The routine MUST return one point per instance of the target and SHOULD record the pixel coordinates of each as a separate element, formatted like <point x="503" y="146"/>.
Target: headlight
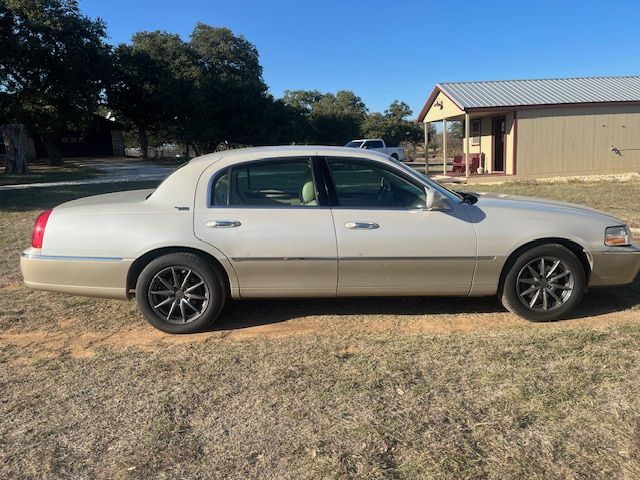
<point x="617" y="236"/>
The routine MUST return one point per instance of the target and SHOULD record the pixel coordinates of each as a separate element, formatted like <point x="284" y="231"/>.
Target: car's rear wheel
<point x="394" y="156"/>
<point x="544" y="283"/>
<point x="180" y="293"/>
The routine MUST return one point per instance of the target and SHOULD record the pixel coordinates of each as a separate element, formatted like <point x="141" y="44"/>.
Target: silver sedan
<point x="321" y="222"/>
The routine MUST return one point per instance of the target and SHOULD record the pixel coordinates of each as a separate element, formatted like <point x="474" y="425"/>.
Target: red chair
<point x="459" y="165"/>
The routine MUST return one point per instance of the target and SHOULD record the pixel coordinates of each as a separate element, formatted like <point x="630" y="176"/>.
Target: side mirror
<point x="435" y="200"/>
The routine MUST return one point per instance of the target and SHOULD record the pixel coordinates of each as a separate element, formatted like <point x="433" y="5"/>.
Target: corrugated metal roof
<point x="507" y="93"/>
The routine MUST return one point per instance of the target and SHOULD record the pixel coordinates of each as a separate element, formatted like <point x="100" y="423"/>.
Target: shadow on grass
<point x="44" y="173"/>
<point x="49" y="197"/>
<point x="600" y="301"/>
<point x="251" y="313"/>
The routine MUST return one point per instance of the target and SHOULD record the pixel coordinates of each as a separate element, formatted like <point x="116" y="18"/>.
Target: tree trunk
<point x="144" y="143"/>
<point x="55" y="159"/>
<point x="14" y="138"/>
<point x="196" y="149"/>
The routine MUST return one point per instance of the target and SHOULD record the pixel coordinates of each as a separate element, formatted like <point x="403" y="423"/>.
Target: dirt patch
<point x="68" y="339"/>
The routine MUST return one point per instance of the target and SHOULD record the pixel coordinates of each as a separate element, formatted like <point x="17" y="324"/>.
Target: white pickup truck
<point x="377" y="145"/>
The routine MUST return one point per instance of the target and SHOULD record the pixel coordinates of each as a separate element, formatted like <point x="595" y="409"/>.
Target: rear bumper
<point x="87" y="276"/>
<point x="618" y="266"/>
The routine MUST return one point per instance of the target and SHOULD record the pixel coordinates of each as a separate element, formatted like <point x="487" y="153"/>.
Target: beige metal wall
<point x="578" y="141"/>
<point x="448" y="110"/>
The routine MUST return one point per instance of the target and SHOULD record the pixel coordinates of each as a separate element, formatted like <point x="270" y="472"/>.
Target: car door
<point x="267" y="217"/>
<point x="388" y="243"/>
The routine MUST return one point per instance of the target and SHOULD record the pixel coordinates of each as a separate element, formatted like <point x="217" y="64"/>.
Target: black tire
<point x="204" y="281"/>
<point x="520" y="279"/>
<point x="394" y="156"/>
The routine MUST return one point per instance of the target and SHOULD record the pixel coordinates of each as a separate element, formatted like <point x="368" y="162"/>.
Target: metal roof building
<point x="544" y="127"/>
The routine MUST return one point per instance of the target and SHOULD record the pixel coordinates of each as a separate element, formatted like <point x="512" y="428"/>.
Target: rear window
<point x="374" y="144"/>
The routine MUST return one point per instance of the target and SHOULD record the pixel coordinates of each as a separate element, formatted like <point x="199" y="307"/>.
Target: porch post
<point x="426" y="142"/>
<point x="466" y="147"/>
<point x="444" y="146"/>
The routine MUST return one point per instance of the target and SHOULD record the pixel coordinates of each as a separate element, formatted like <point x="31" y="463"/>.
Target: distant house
<point x="100" y="138"/>
<point x="543" y="128"/>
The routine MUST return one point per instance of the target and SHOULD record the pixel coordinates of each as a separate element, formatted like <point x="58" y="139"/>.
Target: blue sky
<point x="386" y="50"/>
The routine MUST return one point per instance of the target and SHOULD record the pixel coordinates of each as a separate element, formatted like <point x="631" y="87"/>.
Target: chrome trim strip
<point x="417" y="258"/>
<point x="282" y="259"/>
<point x="72" y="258"/>
<point x="626" y="252"/>
<point x="305" y="259"/>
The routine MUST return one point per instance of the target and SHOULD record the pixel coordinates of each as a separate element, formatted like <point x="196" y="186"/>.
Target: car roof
<point x="172" y="189"/>
<point x="288" y="150"/>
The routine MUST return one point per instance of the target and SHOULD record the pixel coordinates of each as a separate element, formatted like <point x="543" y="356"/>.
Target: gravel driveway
<point x="112" y="171"/>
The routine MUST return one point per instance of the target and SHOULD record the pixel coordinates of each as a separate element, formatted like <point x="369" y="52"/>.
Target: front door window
<point x="366" y="184"/>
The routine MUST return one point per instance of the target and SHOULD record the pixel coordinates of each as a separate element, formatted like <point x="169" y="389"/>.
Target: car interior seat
<point x="308" y="194"/>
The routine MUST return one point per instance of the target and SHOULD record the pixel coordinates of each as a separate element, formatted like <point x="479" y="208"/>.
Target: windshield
<point x="354" y="144"/>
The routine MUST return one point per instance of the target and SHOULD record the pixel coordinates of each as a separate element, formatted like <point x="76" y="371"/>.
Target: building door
<point x="498" y="144"/>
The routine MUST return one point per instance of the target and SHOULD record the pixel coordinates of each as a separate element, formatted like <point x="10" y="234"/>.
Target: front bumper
<point x="87" y="276"/>
<point x="616" y="266"/>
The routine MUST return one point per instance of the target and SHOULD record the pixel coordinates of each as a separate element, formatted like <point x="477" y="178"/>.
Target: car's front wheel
<point x="180" y="293"/>
<point x="544" y="283"/>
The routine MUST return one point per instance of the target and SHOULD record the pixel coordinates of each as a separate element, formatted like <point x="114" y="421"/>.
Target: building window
<point x="475" y="132"/>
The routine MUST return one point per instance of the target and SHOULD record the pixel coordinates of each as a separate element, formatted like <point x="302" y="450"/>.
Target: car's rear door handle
<point x="362" y="225"/>
<point x="223" y="223"/>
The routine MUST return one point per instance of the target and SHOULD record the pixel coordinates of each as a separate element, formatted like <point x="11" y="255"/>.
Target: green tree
<point x="142" y="91"/>
<point x="393" y="126"/>
<point x="280" y="124"/>
<point x="199" y="93"/>
<point x="332" y="119"/>
<point x="182" y="105"/>
<point x="431" y="134"/>
<point x="53" y="62"/>
<point x="231" y="92"/>
<point x="456" y="136"/>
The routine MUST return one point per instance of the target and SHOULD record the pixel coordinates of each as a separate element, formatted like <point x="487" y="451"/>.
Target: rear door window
<point x="271" y="183"/>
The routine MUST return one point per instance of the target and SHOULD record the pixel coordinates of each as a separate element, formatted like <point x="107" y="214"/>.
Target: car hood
<point x="538" y="205"/>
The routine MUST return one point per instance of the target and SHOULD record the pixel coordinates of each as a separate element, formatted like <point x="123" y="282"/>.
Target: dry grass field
<point x="350" y="388"/>
<point x="619" y="198"/>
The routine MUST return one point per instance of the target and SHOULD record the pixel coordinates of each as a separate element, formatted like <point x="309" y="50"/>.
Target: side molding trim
<point x="306" y="259"/>
<point x="72" y="259"/>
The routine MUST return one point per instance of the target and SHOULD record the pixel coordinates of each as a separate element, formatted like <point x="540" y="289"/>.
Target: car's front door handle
<point x="223" y="223"/>
<point x="362" y="225"/>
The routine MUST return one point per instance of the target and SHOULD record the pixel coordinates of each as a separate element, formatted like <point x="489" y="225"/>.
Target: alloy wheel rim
<point x="544" y="284"/>
<point x="178" y="295"/>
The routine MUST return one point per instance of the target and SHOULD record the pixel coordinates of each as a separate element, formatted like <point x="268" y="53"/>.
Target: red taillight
<point x="38" y="229"/>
